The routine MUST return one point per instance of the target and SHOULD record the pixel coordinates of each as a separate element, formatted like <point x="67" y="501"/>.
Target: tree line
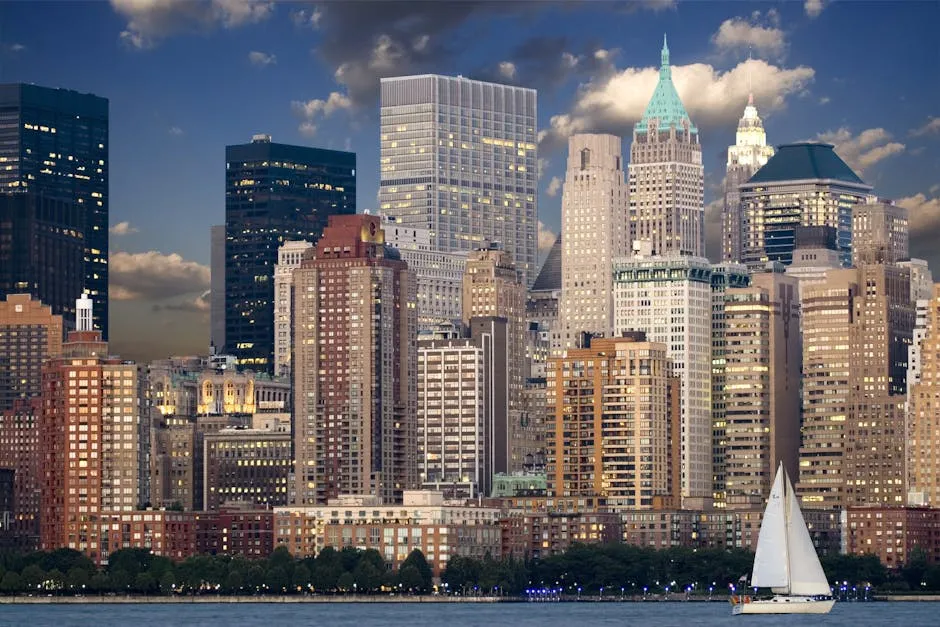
<point x="609" y="570"/>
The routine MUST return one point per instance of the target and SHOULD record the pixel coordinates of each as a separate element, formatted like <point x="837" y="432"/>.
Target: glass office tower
<point x="459" y="157"/>
<point x="54" y="182"/>
<point x="273" y="193"/>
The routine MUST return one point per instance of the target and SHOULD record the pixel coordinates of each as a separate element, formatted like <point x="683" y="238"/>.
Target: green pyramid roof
<point x="805" y="160"/>
<point x="665" y="104"/>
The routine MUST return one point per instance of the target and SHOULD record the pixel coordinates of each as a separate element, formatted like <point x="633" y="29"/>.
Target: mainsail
<point x="786" y="559"/>
<point x="770" y="560"/>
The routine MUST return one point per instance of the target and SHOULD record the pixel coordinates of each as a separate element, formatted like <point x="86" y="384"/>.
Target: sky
<point x="186" y="78"/>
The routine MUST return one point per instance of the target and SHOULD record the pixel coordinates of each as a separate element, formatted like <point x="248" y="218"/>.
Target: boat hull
<point x="784" y="605"/>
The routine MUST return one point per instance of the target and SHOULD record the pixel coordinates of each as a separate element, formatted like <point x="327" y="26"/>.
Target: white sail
<point x="806" y="573"/>
<point x="770" y="559"/>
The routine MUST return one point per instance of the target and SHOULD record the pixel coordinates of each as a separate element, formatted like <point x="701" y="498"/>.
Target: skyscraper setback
<point x="354" y="366"/>
<point x="666" y="173"/>
<point x="460" y="157"/>
<point x="54" y="182"/>
<point x="273" y="193"/>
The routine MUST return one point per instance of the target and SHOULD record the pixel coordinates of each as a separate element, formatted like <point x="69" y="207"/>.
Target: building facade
<point x="217" y="287"/>
<point x="923" y="456"/>
<point x="354" y="367"/>
<point x="749" y="154"/>
<point x="805" y="184"/>
<point x="763" y="354"/>
<point x="273" y="193"/>
<point x="29" y="335"/>
<point x="670" y="299"/>
<point x="289" y="257"/>
<point x="595" y="229"/>
<point x="666" y="174"/>
<point x="614" y="423"/>
<point x="55" y="155"/>
<point x="246" y="466"/>
<point x="879" y="232"/>
<point x="459" y="157"/>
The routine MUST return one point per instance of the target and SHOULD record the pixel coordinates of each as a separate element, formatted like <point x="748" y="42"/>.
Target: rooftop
<point x="549" y="277"/>
<point x="665" y="105"/>
<point x="806" y="160"/>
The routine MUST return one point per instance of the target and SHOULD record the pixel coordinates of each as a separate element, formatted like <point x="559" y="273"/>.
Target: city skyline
<point x="186" y="80"/>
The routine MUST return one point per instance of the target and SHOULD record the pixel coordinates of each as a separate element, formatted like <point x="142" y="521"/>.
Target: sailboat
<point x="786" y="560"/>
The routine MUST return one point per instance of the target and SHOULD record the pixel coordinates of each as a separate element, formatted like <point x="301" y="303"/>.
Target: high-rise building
<point x="273" y="193"/>
<point x="923" y="456"/>
<point x="217" y="287"/>
<point x="88" y="440"/>
<point x="857" y="328"/>
<point x="670" y="299"/>
<point x="289" y="257"/>
<point x="54" y="149"/>
<point x="354" y="366"/>
<point x="879" y="232"/>
<point x="20" y="452"/>
<point x="246" y="466"/>
<point x="749" y="153"/>
<point x="921" y="278"/>
<point x="815" y="253"/>
<point x="29" y="335"/>
<point x="439" y="275"/>
<point x="763" y="353"/>
<point x="595" y="229"/>
<point x="460" y="157"/>
<point x="493" y="288"/>
<point x="724" y="276"/>
<point x="666" y="174"/>
<point x="463" y="410"/>
<point x="805" y="184"/>
<point x="613" y="423"/>
<point x="544" y="299"/>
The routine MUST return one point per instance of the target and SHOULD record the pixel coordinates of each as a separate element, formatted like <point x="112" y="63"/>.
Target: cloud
<point x="613" y="104"/>
<point x="261" y="59"/>
<point x="550" y="61"/>
<point x="15" y="48"/>
<point x="738" y="33"/>
<point x="713" y="229"/>
<point x="824" y="100"/>
<point x="554" y="186"/>
<point x="813" y="8"/>
<point x="149" y="21"/>
<point x="924" y="220"/>
<point x="123" y="228"/>
<point x="397" y="38"/>
<point x="311" y="111"/>
<point x="305" y="18"/>
<point x="507" y="69"/>
<point x="154" y="276"/>
<point x="546" y="239"/>
<point x="175" y="130"/>
<point x="200" y="303"/>
<point x="864" y="150"/>
<point x="932" y="126"/>
<point x="542" y="164"/>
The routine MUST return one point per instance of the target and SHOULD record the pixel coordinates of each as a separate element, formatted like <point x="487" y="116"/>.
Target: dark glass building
<point x="54" y="187"/>
<point x="273" y="193"/>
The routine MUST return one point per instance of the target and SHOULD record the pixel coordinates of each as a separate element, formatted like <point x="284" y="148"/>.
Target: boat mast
<point x="786" y="522"/>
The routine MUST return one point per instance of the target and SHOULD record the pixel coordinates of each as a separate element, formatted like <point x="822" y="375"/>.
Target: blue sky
<point x="187" y="78"/>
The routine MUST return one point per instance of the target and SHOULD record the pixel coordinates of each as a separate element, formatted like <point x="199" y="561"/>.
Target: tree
<point x="167" y="581"/>
<point x="368" y="578"/>
<point x="77" y="578"/>
<point x="345" y="582"/>
<point x="410" y="579"/>
<point x="11" y="583"/>
<point x="145" y="583"/>
<point x="277" y="580"/>
<point x="300" y="579"/>
<point x="32" y="576"/>
<point x="420" y="564"/>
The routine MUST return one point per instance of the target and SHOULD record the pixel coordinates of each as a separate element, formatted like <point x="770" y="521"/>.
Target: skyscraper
<point x="88" y="440"/>
<point x="670" y="299"/>
<point x="354" y="366"/>
<point x="805" y="184"/>
<point x="749" y="153"/>
<point x="289" y="257"/>
<point x="879" y="232"/>
<point x="666" y="174"/>
<point x="273" y="193"/>
<point x="217" y="287"/>
<point x="54" y="179"/>
<point x="923" y="459"/>
<point x="595" y="229"/>
<point x="460" y="157"/>
<point x="763" y="353"/>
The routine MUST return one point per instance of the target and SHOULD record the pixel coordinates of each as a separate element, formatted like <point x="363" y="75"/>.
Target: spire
<point x="750" y="92"/>
<point x="664" y="68"/>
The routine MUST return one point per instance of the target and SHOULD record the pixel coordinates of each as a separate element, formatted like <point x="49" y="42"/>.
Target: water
<point x="453" y="615"/>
